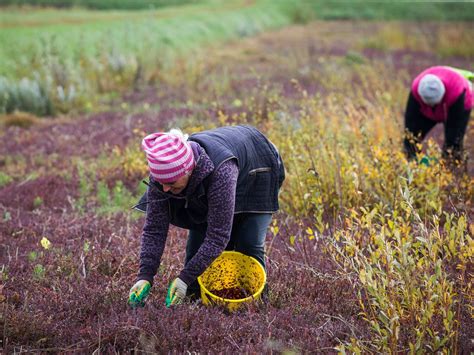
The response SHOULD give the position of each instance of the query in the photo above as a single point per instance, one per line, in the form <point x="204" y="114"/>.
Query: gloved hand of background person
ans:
<point x="428" y="160"/>
<point x="138" y="293"/>
<point x="176" y="292"/>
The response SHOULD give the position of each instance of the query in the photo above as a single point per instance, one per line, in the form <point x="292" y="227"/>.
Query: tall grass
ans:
<point x="75" y="62"/>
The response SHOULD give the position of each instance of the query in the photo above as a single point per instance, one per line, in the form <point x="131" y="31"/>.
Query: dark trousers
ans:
<point x="418" y="126"/>
<point x="248" y="237"/>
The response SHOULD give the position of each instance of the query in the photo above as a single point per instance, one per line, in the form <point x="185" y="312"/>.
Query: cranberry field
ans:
<point x="369" y="252"/>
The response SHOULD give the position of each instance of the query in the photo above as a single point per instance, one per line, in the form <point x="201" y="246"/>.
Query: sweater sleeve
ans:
<point x="155" y="232"/>
<point x="221" y="206"/>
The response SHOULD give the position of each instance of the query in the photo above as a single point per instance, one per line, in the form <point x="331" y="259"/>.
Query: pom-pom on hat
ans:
<point x="431" y="89"/>
<point x="169" y="156"/>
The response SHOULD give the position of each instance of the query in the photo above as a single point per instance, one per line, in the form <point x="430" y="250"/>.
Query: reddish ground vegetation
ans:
<point x="78" y="301"/>
<point x="50" y="191"/>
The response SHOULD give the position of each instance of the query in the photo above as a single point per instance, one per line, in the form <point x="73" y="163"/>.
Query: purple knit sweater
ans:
<point x="221" y="204"/>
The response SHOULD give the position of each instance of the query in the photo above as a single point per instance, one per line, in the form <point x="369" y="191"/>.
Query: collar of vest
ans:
<point x="204" y="167"/>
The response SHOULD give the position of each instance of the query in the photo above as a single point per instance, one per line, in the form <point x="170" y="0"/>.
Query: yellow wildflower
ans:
<point x="45" y="243"/>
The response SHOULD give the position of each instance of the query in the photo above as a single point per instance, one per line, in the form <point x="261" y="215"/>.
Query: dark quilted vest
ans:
<point x="260" y="169"/>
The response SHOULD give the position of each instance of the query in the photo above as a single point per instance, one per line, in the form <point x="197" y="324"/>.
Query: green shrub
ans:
<point x="117" y="199"/>
<point x="37" y="202"/>
<point x="410" y="291"/>
<point x="4" y="179"/>
<point x="39" y="272"/>
<point x="26" y="95"/>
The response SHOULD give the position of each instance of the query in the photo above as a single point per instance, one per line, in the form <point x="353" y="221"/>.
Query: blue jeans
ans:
<point x="248" y="237"/>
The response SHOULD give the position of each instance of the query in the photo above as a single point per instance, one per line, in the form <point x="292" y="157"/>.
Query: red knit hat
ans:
<point x="169" y="156"/>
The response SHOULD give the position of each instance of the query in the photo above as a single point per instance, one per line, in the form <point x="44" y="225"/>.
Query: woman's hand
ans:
<point x="176" y="292"/>
<point x="138" y="293"/>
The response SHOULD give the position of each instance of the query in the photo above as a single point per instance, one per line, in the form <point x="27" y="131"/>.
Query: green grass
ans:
<point x="98" y="4"/>
<point x="393" y="10"/>
<point x="82" y="33"/>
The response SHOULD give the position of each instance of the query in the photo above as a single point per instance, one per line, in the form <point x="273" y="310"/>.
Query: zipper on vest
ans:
<point x="259" y="170"/>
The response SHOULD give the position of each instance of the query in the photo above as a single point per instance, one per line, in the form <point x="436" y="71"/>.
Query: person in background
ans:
<point x="222" y="185"/>
<point x="439" y="94"/>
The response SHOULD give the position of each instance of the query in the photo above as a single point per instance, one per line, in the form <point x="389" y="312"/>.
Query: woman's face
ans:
<point x="177" y="186"/>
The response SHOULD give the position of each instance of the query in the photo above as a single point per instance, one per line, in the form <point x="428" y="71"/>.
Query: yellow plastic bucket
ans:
<point x="232" y="270"/>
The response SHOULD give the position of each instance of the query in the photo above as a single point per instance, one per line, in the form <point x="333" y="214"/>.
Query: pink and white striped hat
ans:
<point x="169" y="156"/>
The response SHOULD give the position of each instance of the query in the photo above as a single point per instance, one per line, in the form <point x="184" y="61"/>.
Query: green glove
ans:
<point x="176" y="292"/>
<point x="138" y="293"/>
<point x="427" y="160"/>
